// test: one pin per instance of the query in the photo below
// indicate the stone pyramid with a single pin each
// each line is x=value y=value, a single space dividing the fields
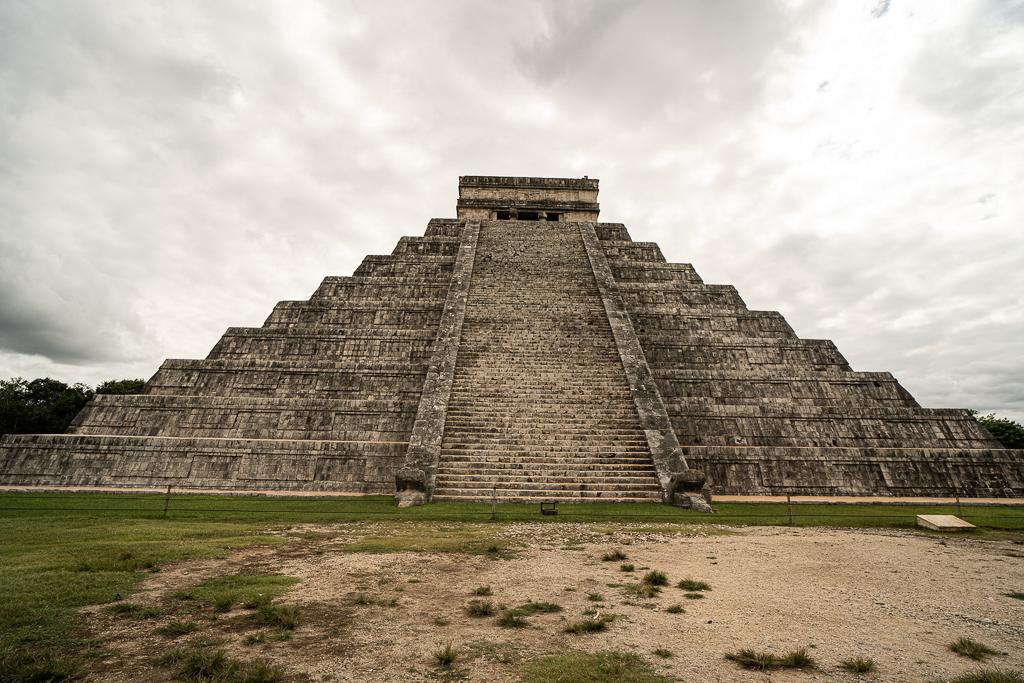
x=522 y=351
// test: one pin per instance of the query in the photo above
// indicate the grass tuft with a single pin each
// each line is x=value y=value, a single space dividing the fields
x=203 y=665
x=256 y=638
x=214 y=666
x=528 y=608
x=590 y=625
x=675 y=609
x=279 y=616
x=798 y=659
x=693 y=585
x=641 y=590
x=585 y=667
x=693 y=596
x=655 y=578
x=859 y=665
x=511 y=619
x=989 y=676
x=972 y=649
x=766 y=661
x=176 y=629
x=1016 y=595
x=446 y=656
x=626 y=567
x=482 y=590
x=480 y=608
x=222 y=602
x=595 y=597
x=514 y=618
x=751 y=659
x=364 y=599
x=614 y=556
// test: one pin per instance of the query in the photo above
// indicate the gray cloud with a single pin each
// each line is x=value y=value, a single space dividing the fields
x=168 y=170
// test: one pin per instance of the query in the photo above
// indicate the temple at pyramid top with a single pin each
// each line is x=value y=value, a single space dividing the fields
x=487 y=197
x=521 y=351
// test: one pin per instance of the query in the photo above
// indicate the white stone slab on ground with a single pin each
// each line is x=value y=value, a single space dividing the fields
x=944 y=523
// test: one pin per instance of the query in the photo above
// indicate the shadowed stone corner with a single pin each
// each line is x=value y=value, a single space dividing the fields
x=410 y=487
x=690 y=489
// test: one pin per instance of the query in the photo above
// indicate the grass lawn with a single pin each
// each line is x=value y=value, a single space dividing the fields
x=64 y=551
x=257 y=510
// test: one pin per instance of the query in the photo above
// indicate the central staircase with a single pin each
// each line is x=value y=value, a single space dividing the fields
x=540 y=407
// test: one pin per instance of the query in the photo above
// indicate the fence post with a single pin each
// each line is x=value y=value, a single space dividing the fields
x=789 y=505
x=494 y=503
x=958 y=512
x=167 y=500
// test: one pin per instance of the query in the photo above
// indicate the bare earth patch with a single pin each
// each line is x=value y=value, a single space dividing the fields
x=371 y=611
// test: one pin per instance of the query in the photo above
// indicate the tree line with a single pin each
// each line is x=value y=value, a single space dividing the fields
x=1006 y=431
x=47 y=406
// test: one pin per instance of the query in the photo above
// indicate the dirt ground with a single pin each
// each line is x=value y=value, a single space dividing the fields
x=899 y=597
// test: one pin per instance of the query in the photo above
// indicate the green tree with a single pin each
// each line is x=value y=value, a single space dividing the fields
x=40 y=406
x=1006 y=431
x=47 y=406
x=121 y=386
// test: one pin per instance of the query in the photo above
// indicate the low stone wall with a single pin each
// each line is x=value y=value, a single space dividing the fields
x=128 y=462
x=941 y=472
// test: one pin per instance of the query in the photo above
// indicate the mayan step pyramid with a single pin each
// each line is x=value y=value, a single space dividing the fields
x=522 y=351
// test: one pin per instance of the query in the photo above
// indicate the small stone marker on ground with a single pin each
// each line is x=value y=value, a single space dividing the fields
x=944 y=523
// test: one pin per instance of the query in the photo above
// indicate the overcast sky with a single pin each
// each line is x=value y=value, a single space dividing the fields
x=169 y=169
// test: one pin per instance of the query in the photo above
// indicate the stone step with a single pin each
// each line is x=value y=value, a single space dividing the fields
x=540 y=383
x=547 y=449
x=539 y=446
x=574 y=433
x=581 y=415
x=506 y=484
x=548 y=414
x=566 y=406
x=510 y=456
x=537 y=468
x=509 y=478
x=485 y=430
x=521 y=414
x=540 y=495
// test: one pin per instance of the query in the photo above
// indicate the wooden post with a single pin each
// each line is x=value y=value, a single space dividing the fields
x=789 y=505
x=167 y=500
